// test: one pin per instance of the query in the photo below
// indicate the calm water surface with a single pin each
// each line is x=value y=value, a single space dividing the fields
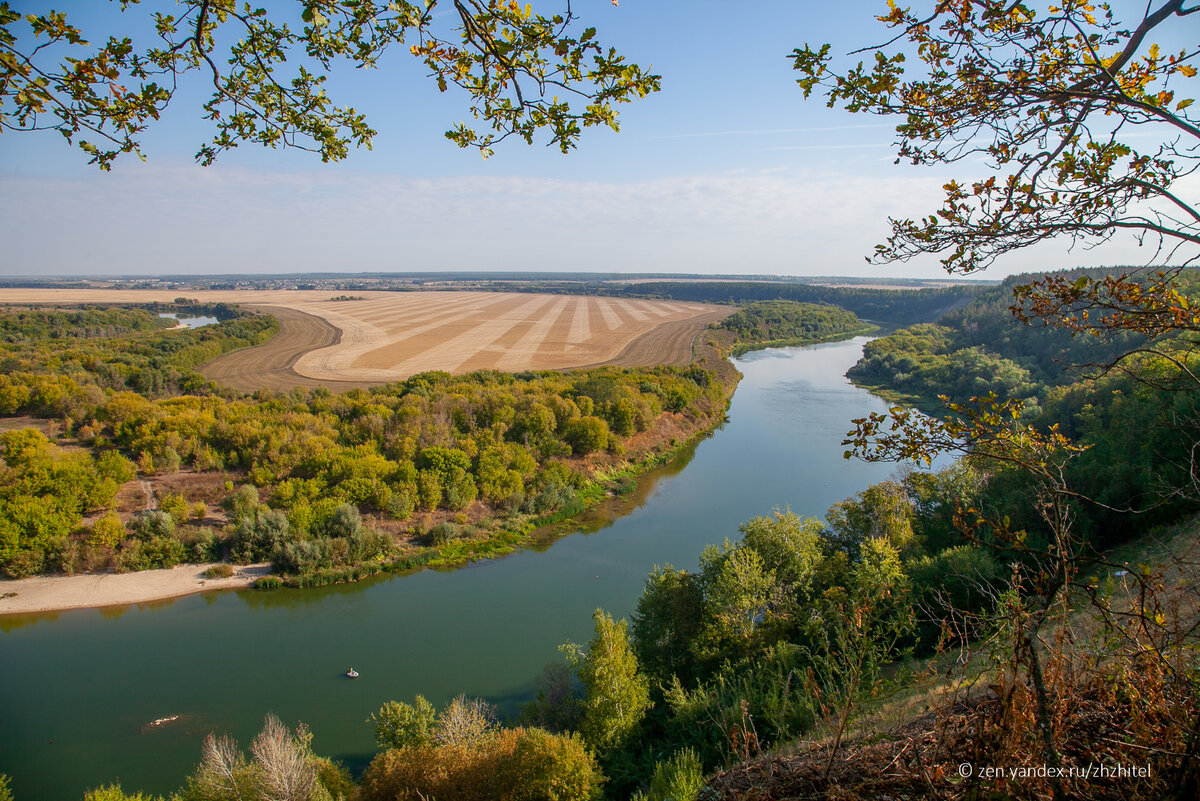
x=190 y=322
x=78 y=688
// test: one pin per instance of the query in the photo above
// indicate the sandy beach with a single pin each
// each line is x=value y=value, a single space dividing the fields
x=55 y=593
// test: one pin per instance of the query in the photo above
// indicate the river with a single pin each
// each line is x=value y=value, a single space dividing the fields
x=78 y=688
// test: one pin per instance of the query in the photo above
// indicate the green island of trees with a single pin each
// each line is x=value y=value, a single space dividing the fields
x=777 y=323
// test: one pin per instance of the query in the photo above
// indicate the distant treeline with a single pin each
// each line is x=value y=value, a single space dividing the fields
x=894 y=306
x=901 y=306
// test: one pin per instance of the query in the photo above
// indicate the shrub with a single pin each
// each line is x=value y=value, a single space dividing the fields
x=242 y=504
x=151 y=524
x=205 y=545
x=400 y=505
x=550 y=767
x=441 y=534
x=301 y=557
x=345 y=522
x=219 y=571
x=23 y=564
x=586 y=435
x=157 y=552
x=260 y=536
x=176 y=506
x=107 y=531
x=367 y=544
x=66 y=556
x=680 y=778
x=401 y=725
x=517 y=764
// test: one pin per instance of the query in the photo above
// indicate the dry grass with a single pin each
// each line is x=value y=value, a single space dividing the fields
x=1123 y=695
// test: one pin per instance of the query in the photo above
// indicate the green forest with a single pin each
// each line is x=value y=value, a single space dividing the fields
x=445 y=468
x=1136 y=421
x=778 y=323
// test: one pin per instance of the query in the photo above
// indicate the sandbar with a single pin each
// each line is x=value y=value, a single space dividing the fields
x=87 y=590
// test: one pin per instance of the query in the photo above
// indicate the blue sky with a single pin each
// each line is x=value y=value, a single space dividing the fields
x=727 y=170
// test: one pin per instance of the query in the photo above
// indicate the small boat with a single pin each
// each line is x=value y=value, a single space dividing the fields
x=352 y=673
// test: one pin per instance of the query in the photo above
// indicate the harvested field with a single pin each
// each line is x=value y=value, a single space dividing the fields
x=670 y=343
x=269 y=366
x=388 y=336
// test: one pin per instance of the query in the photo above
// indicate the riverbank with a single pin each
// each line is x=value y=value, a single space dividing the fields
x=87 y=590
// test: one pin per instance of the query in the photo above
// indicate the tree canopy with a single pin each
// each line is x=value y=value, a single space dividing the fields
x=1086 y=115
x=521 y=71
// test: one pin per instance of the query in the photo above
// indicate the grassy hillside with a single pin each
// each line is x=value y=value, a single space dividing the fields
x=958 y=714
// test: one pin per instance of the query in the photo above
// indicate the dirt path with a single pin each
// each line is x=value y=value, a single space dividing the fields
x=150 y=504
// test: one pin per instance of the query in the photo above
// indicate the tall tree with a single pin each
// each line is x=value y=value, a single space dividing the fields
x=615 y=695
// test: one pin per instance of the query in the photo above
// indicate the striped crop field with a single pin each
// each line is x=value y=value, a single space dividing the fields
x=389 y=336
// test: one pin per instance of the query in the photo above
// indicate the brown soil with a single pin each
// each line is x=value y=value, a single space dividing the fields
x=270 y=365
x=669 y=344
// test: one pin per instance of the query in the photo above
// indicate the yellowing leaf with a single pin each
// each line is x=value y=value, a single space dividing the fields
x=1188 y=71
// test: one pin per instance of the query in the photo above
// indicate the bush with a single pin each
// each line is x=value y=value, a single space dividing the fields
x=158 y=552
x=345 y=522
x=367 y=544
x=586 y=435
x=518 y=764
x=151 y=524
x=176 y=506
x=243 y=504
x=260 y=536
x=23 y=564
x=550 y=767
x=400 y=505
x=205 y=546
x=301 y=557
x=107 y=531
x=680 y=778
x=441 y=534
x=219 y=571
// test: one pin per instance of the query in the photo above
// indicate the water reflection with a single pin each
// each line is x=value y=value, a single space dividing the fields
x=189 y=322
